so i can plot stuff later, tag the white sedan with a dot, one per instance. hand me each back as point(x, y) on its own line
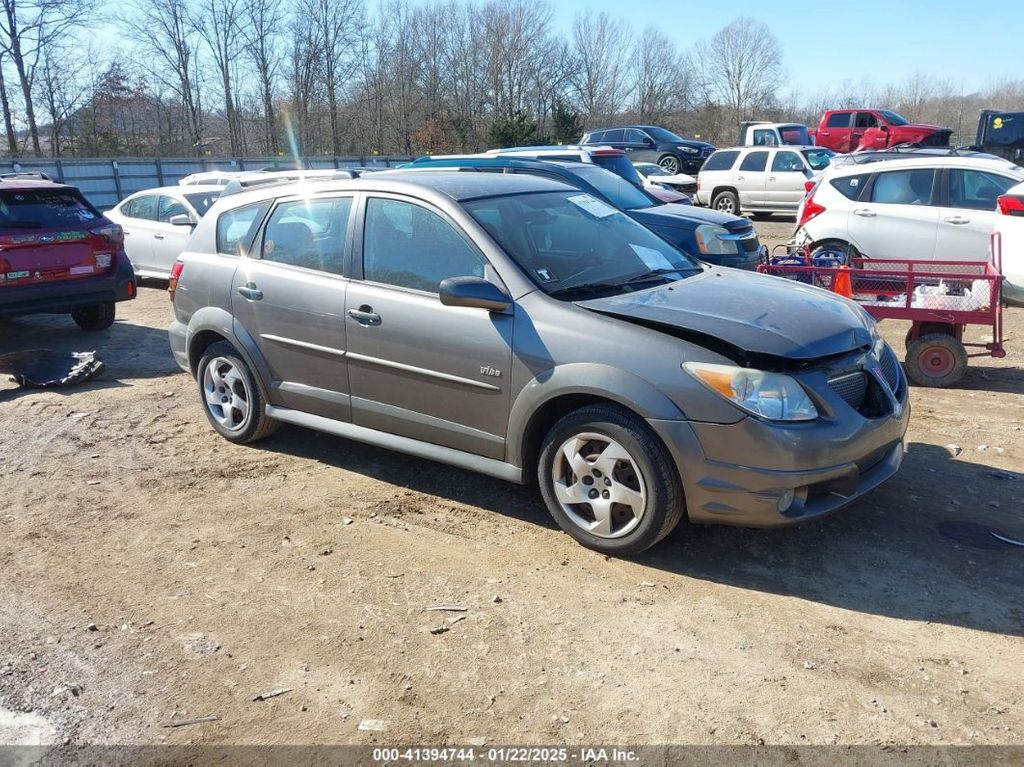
point(654, 175)
point(1010, 225)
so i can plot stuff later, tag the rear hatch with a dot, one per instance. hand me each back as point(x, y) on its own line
point(51, 234)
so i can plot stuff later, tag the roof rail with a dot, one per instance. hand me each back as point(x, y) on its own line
point(27, 174)
point(263, 178)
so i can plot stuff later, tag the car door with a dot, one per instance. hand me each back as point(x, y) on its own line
point(641, 147)
point(897, 217)
point(784, 185)
point(862, 122)
point(615, 138)
point(169, 239)
point(418, 368)
point(751, 177)
point(139, 226)
point(968, 214)
point(289, 296)
point(836, 133)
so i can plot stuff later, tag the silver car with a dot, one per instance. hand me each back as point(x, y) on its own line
point(158, 222)
point(520, 327)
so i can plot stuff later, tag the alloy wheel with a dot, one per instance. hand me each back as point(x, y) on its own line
point(670, 164)
point(227, 394)
point(599, 485)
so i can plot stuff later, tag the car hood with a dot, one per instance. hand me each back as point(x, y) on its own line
point(752, 313)
point(686, 216)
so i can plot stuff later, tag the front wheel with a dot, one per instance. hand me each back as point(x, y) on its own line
point(608, 481)
point(95, 317)
point(670, 163)
point(936, 360)
point(231, 399)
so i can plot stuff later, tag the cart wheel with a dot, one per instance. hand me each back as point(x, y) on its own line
point(936, 360)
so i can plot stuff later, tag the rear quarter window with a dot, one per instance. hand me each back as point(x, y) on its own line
point(721, 160)
point(850, 187)
point(236, 228)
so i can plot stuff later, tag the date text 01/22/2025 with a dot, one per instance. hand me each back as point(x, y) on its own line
point(503, 754)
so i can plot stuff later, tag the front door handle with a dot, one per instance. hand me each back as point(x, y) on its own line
point(250, 292)
point(741, 178)
point(158, 236)
point(365, 316)
point(771, 178)
point(957, 220)
point(864, 213)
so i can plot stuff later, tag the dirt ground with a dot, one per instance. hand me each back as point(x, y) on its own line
point(152, 572)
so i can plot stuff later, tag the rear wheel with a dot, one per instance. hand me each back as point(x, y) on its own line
point(670, 163)
point(936, 360)
point(726, 202)
point(608, 481)
point(95, 317)
point(231, 399)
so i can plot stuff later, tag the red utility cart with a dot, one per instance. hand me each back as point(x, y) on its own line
point(939, 298)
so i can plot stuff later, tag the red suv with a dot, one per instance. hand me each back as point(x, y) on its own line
point(58, 254)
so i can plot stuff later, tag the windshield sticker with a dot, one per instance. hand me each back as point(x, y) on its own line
point(103, 260)
point(545, 275)
point(592, 205)
point(86, 215)
point(653, 259)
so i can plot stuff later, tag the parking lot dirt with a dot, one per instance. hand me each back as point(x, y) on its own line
point(153, 572)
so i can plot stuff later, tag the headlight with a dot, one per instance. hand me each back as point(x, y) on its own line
point(773, 396)
point(688, 149)
point(710, 242)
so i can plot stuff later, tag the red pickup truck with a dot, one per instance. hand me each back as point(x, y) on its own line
point(853, 130)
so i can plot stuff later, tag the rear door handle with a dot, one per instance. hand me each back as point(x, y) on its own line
point(250, 292)
point(365, 316)
point(864, 213)
point(771, 178)
point(957, 220)
point(741, 178)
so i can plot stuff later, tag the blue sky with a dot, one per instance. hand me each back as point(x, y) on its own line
point(825, 42)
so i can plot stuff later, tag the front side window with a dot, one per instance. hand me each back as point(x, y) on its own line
point(838, 120)
point(754, 162)
point(169, 206)
point(975, 189)
point(786, 162)
point(570, 243)
point(904, 187)
point(633, 136)
point(721, 160)
point(866, 120)
point(237, 228)
point(309, 233)
point(408, 246)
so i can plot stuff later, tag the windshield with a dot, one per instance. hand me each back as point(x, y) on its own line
point(618, 164)
point(571, 243)
point(615, 189)
point(660, 134)
point(818, 159)
point(202, 202)
point(44, 209)
point(650, 169)
point(893, 118)
point(794, 135)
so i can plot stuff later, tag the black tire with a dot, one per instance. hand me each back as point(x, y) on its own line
point(95, 317)
point(936, 360)
point(255, 424)
point(670, 163)
point(850, 251)
point(760, 216)
point(726, 202)
point(664, 504)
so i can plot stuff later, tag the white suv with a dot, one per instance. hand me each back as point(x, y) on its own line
point(922, 207)
point(759, 179)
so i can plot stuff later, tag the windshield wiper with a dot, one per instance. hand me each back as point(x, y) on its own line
point(659, 272)
point(591, 287)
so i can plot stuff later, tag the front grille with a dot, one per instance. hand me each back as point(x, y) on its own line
point(891, 370)
point(706, 151)
point(852, 388)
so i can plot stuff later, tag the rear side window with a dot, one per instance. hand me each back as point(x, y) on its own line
point(236, 228)
point(839, 120)
point(754, 161)
point(721, 160)
point(44, 209)
point(616, 136)
point(411, 247)
point(904, 187)
point(850, 186)
point(308, 233)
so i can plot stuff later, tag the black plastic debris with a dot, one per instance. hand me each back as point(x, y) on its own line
point(45, 368)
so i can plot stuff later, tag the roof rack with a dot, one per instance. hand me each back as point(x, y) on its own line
point(263, 178)
point(27, 174)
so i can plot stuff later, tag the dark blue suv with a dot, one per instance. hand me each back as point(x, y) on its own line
point(718, 238)
point(649, 143)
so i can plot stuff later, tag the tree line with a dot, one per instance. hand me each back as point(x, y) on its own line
point(343, 77)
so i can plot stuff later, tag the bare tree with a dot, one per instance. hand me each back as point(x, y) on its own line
point(221, 24)
point(600, 48)
point(334, 29)
point(661, 78)
point(740, 68)
point(266, 19)
point(30, 27)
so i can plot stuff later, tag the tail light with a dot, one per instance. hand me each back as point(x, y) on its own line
point(698, 184)
point(1010, 205)
point(810, 210)
point(111, 232)
point(172, 283)
point(809, 186)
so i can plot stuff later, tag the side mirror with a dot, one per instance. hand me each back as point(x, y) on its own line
point(182, 219)
point(475, 292)
point(649, 141)
point(883, 128)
